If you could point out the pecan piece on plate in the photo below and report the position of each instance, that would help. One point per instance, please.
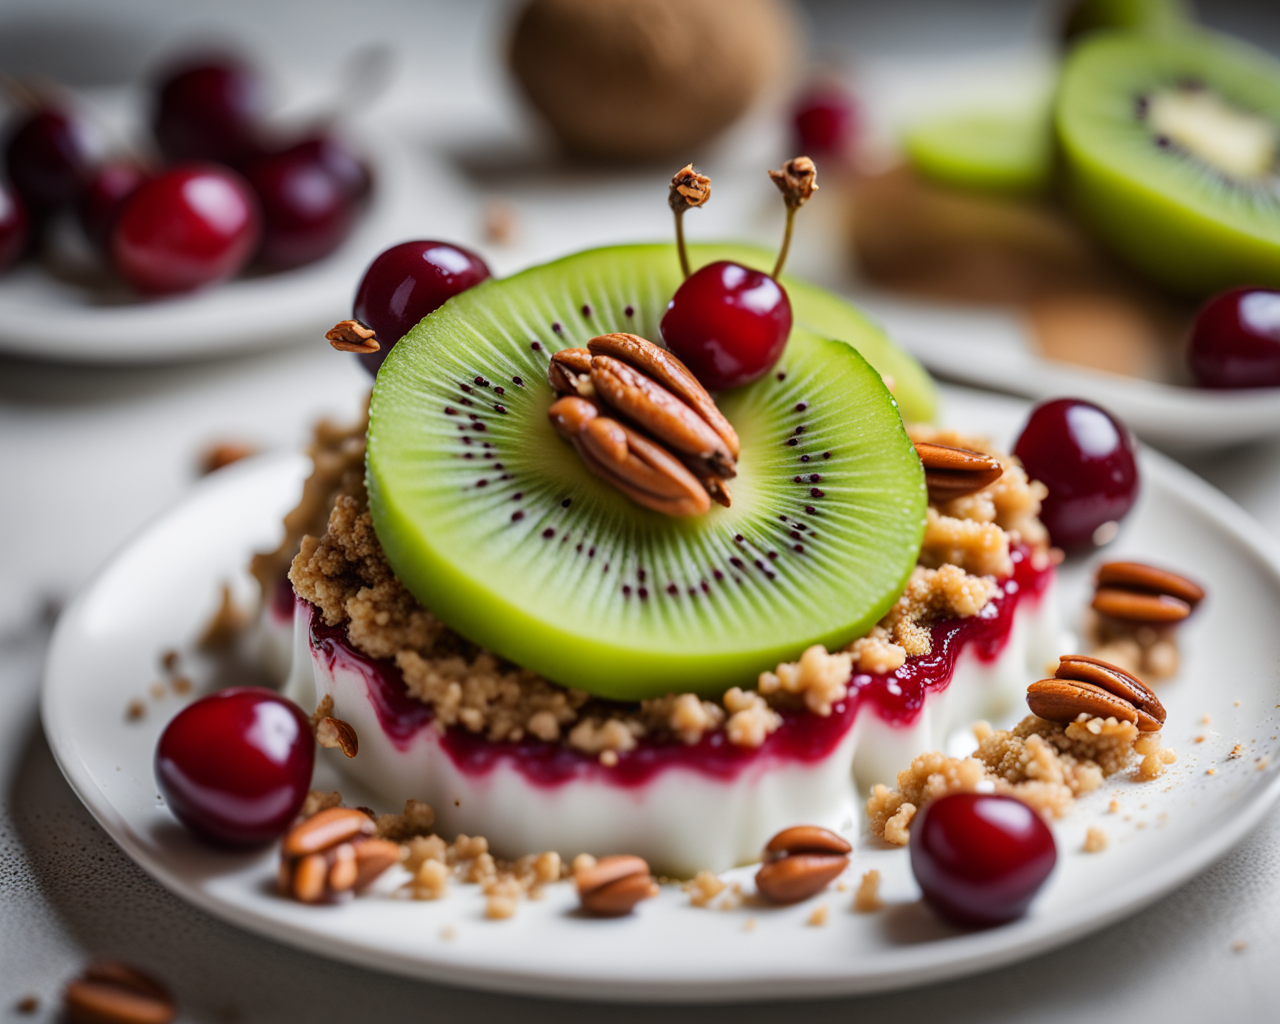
(1138, 593)
(335, 733)
(1088, 686)
(353, 336)
(640, 420)
(333, 852)
(954, 472)
(800, 862)
(612, 886)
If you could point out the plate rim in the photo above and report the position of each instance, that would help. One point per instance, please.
(978, 952)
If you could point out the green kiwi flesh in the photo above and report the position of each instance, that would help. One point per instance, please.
(1009, 153)
(494, 523)
(1173, 205)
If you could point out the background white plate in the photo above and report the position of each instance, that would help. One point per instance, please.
(157, 592)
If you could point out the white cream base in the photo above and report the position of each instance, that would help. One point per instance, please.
(681, 821)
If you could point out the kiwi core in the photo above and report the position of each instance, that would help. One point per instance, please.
(1235, 142)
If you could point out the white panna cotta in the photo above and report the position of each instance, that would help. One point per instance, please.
(685, 808)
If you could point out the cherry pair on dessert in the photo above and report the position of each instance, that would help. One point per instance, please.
(980, 858)
(729, 323)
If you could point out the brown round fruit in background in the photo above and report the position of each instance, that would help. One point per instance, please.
(643, 79)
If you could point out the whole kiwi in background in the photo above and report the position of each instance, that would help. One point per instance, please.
(634, 80)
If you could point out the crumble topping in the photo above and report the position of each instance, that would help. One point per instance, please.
(866, 900)
(1148, 651)
(1043, 764)
(341, 569)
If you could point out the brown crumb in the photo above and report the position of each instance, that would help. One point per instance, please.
(1199, 739)
(1239, 946)
(448, 933)
(180, 685)
(819, 917)
(1236, 751)
(500, 221)
(1211, 771)
(1263, 762)
(223, 453)
(318, 801)
(228, 622)
(1114, 806)
(749, 925)
(867, 899)
(1095, 840)
(135, 710)
(27, 1004)
(703, 888)
(1205, 719)
(416, 820)
(169, 660)
(157, 690)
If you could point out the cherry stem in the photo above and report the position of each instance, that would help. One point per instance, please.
(680, 248)
(786, 243)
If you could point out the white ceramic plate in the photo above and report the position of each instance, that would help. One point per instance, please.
(159, 589)
(45, 317)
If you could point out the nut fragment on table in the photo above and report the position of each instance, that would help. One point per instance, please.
(111, 992)
(800, 862)
(612, 886)
(331, 853)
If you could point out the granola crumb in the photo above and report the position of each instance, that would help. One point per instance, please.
(703, 888)
(448, 933)
(583, 862)
(181, 685)
(609, 758)
(1211, 771)
(749, 925)
(1198, 739)
(157, 690)
(228, 622)
(981, 730)
(430, 881)
(317, 801)
(1205, 719)
(500, 221)
(169, 659)
(1114, 806)
(1236, 751)
(751, 720)
(27, 1004)
(1239, 946)
(547, 867)
(867, 899)
(819, 917)
(1044, 764)
(820, 678)
(1095, 840)
(134, 711)
(416, 820)
(1263, 762)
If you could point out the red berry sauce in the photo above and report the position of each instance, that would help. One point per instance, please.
(896, 697)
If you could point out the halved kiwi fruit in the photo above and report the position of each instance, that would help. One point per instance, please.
(1171, 152)
(496, 525)
(1156, 16)
(1005, 152)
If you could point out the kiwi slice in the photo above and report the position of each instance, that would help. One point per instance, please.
(1170, 148)
(1157, 16)
(494, 523)
(1009, 153)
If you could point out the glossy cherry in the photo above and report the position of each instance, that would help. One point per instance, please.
(1085, 457)
(209, 109)
(192, 226)
(307, 209)
(408, 281)
(826, 120)
(728, 323)
(104, 197)
(46, 160)
(13, 227)
(343, 162)
(980, 858)
(1235, 341)
(235, 767)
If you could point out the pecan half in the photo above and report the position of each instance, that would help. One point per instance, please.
(1097, 689)
(1144, 594)
(641, 420)
(111, 992)
(612, 886)
(333, 852)
(353, 336)
(954, 472)
(334, 732)
(800, 862)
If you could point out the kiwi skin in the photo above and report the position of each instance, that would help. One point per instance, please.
(1086, 16)
(1183, 226)
(479, 568)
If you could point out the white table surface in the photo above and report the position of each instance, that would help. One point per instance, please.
(89, 454)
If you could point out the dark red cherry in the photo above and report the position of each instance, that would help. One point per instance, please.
(209, 109)
(307, 210)
(408, 281)
(13, 227)
(191, 226)
(343, 162)
(826, 120)
(46, 159)
(103, 198)
(235, 766)
(1085, 456)
(1235, 341)
(980, 858)
(728, 323)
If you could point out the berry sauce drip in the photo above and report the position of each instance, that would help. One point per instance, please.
(980, 858)
(1085, 457)
(1235, 341)
(408, 281)
(235, 767)
(45, 158)
(192, 226)
(13, 228)
(897, 698)
(104, 196)
(728, 324)
(209, 110)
